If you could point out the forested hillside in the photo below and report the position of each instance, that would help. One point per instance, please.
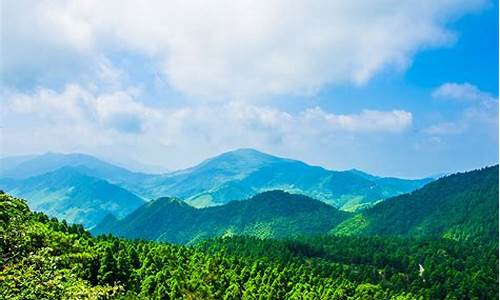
(460, 206)
(68, 193)
(41, 258)
(272, 214)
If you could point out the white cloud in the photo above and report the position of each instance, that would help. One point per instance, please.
(229, 49)
(445, 128)
(462, 92)
(78, 106)
(481, 111)
(366, 121)
(78, 119)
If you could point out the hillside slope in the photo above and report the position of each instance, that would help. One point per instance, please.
(270, 214)
(67, 193)
(459, 206)
(43, 258)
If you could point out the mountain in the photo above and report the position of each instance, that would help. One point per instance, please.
(269, 214)
(243, 173)
(28, 166)
(68, 193)
(9, 163)
(218, 175)
(140, 167)
(458, 206)
(233, 175)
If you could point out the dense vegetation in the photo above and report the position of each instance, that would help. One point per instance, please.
(272, 214)
(41, 258)
(432, 268)
(460, 206)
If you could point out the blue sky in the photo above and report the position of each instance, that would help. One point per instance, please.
(392, 88)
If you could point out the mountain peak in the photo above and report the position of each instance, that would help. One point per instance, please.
(167, 201)
(271, 214)
(51, 161)
(51, 154)
(247, 153)
(362, 174)
(239, 161)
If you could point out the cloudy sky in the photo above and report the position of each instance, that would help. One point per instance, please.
(402, 88)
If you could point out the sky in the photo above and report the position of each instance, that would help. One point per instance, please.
(394, 88)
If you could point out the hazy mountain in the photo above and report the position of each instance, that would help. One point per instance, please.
(243, 173)
(9, 163)
(234, 175)
(459, 206)
(69, 194)
(139, 167)
(269, 214)
(24, 167)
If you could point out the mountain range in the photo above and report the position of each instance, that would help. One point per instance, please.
(274, 214)
(460, 206)
(22, 167)
(233, 175)
(243, 173)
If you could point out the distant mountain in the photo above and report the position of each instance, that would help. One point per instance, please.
(9, 163)
(269, 214)
(69, 194)
(140, 167)
(218, 175)
(233, 175)
(28, 166)
(243, 173)
(459, 206)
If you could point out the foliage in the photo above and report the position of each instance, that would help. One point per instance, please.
(457, 270)
(43, 258)
(273, 214)
(460, 206)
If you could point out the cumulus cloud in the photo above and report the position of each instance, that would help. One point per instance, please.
(77, 107)
(462, 92)
(228, 49)
(85, 120)
(240, 53)
(366, 121)
(481, 111)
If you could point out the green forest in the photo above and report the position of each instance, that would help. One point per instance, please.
(461, 206)
(43, 258)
